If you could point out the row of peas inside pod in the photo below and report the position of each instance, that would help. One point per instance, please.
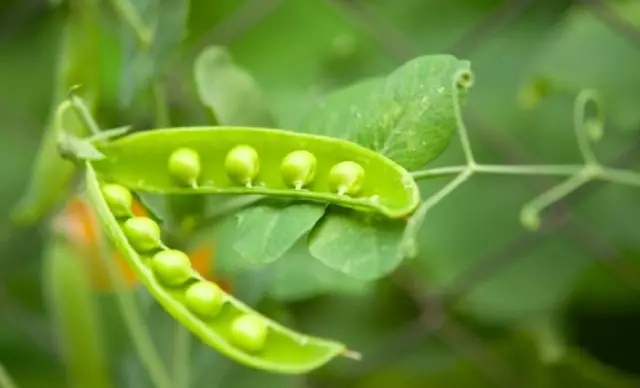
(173, 269)
(242, 164)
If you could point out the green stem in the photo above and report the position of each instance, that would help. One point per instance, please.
(579, 123)
(624, 177)
(438, 172)
(462, 128)
(86, 116)
(139, 333)
(181, 358)
(5, 379)
(560, 191)
(564, 170)
(128, 13)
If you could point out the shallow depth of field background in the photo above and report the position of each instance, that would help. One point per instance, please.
(558, 307)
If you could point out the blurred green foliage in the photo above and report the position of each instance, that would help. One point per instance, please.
(553, 308)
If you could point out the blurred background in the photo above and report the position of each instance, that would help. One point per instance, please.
(487, 303)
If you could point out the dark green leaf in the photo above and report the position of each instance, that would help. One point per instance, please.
(408, 116)
(357, 244)
(262, 233)
(299, 275)
(230, 94)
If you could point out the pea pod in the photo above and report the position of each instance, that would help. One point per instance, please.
(239, 160)
(216, 317)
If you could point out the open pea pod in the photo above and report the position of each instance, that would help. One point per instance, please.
(240, 160)
(217, 318)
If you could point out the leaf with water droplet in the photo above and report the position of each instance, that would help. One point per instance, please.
(408, 116)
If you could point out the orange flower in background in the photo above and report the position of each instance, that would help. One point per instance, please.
(79, 225)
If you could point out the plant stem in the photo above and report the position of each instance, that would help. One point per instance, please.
(624, 177)
(139, 333)
(181, 346)
(462, 128)
(5, 379)
(128, 13)
(579, 123)
(564, 170)
(560, 191)
(86, 116)
(438, 172)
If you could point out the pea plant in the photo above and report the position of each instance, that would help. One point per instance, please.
(333, 201)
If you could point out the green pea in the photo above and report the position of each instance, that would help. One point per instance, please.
(172, 267)
(184, 164)
(249, 332)
(288, 352)
(119, 199)
(346, 178)
(143, 233)
(263, 161)
(204, 298)
(298, 168)
(242, 164)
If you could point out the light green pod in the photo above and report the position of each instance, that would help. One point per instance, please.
(282, 350)
(119, 199)
(143, 233)
(184, 164)
(137, 160)
(242, 164)
(346, 178)
(298, 168)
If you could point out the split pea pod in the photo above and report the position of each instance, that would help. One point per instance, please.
(239, 160)
(217, 318)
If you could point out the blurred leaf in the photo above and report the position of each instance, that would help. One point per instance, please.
(473, 243)
(408, 116)
(230, 94)
(612, 59)
(142, 66)
(262, 233)
(76, 65)
(357, 244)
(299, 275)
(76, 319)
(579, 370)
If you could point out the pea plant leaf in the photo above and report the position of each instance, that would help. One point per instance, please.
(299, 275)
(357, 244)
(230, 94)
(165, 20)
(407, 116)
(262, 233)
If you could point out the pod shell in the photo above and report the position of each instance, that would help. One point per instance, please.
(136, 161)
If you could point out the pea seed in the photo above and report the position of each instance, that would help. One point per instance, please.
(242, 164)
(346, 178)
(204, 298)
(184, 164)
(249, 332)
(143, 233)
(298, 168)
(118, 198)
(172, 267)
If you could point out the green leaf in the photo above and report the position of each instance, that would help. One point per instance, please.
(143, 65)
(357, 244)
(299, 275)
(230, 94)
(262, 233)
(408, 116)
